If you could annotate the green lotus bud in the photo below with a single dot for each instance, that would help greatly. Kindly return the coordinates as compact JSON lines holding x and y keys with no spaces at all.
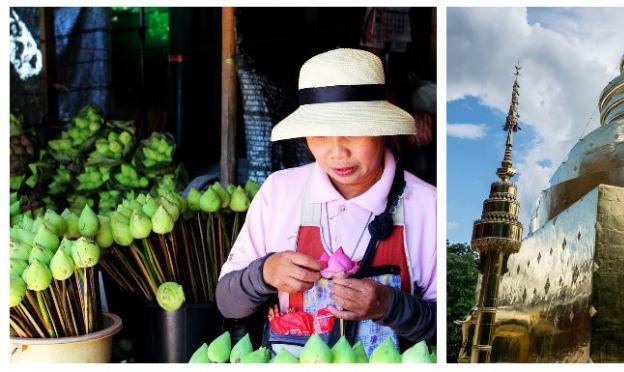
{"x":40,"y":253}
{"x":19,"y":250}
{"x":385,"y":353}
{"x":240,"y":201}
{"x":85,"y":253}
{"x":88,"y":222}
{"x":17,"y":291}
{"x":162,"y":222}
{"x":26,"y":222}
{"x":46,"y":238}
{"x":17,"y":267}
{"x":21,"y":235}
{"x":259,"y":356}
{"x":315,"y":351}
{"x":120,"y":227}
{"x":223,"y":194}
{"x":210,"y":201}
{"x":242,"y":348}
{"x":37,"y":224}
{"x":104,"y":236}
{"x":13,"y":197}
{"x":170,"y":296}
{"x":55,"y":221}
{"x":252,"y":188}
{"x":134,"y":205}
{"x":150,"y":206}
{"x":200,"y":355}
{"x":66,"y":246}
{"x":230,"y":188}
{"x":140,"y":225}
{"x":360,"y":353}
{"x":141,"y":198}
{"x":342,"y":352}
{"x":284,"y":356}
{"x":61,"y":266}
{"x":433,"y":358}
{"x":14,"y":209}
{"x":193,"y":199}
{"x":71,"y":221}
{"x":220,"y":348}
{"x":418,"y":353}
{"x":37,"y":276}
{"x":124,"y":211}
{"x":170,"y":207}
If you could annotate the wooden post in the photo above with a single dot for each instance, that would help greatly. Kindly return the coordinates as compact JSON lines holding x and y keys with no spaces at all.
{"x":48,"y":72}
{"x":228,"y":95}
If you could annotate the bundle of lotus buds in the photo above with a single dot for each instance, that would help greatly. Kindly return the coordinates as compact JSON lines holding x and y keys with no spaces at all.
{"x":315,"y":350}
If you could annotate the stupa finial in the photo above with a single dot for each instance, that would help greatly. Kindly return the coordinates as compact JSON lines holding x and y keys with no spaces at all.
{"x":506,"y":171}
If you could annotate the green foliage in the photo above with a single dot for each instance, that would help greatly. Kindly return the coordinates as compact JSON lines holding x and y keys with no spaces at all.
{"x":462,"y":273}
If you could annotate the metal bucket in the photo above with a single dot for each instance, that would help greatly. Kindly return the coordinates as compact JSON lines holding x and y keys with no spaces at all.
{"x":94,"y":347}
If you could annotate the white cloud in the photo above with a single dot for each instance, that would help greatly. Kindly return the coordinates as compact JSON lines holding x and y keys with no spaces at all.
{"x":568,"y":56}
{"x":452,"y":225}
{"x":466,"y":131}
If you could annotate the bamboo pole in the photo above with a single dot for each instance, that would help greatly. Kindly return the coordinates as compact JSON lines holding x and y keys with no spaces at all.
{"x":228,"y":95}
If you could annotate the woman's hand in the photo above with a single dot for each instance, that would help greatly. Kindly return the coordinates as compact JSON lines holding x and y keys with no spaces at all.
{"x":291,"y":271}
{"x":360,"y":298}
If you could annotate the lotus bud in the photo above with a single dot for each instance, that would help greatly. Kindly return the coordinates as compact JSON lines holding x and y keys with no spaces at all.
{"x":104,"y":236}
{"x":141,"y":199}
{"x":433,"y":358}
{"x":124,"y":211}
{"x":46,"y":238}
{"x":66,"y":246}
{"x":135,"y":205}
{"x":61,"y":266}
{"x":88,"y":222}
{"x":220,"y":348}
{"x":37,"y":224}
{"x":21,"y":235}
{"x":240,"y":201}
{"x":85,"y":253}
{"x":283,"y":356}
{"x":37,"y":276}
{"x":162,"y":222}
{"x":193,"y":199}
{"x":71,"y":221}
{"x":242,"y":348}
{"x":342,"y":352}
{"x":150,"y":206}
{"x":140,"y":225}
{"x":40,"y":253}
{"x":418,"y":353}
{"x":19,"y":250}
{"x":252,"y":188}
{"x":200,"y":355}
{"x":182,"y":203}
{"x":360,"y":353}
{"x":120,"y":227}
{"x":337,"y":263}
{"x":210,"y":201}
{"x":223,"y":194}
{"x":56,"y":222}
{"x":230,"y":188}
{"x":170,"y":207}
{"x":259,"y":356}
{"x":17,"y":291}
{"x":170,"y":296}
{"x":385,"y":353}
{"x":17,"y":267}
{"x":315,"y":351}
{"x":26,"y":222}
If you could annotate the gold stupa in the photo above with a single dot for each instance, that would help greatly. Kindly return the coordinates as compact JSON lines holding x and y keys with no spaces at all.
{"x":561,"y":298}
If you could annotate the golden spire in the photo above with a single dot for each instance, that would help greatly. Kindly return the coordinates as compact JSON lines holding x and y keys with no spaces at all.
{"x":506,"y":171}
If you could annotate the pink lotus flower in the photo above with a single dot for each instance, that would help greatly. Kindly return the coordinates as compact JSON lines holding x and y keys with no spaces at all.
{"x":337,"y":263}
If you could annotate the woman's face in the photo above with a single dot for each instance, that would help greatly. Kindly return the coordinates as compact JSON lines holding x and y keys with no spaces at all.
{"x":354,"y":164}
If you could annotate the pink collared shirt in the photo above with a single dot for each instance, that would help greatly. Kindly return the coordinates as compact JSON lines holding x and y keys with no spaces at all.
{"x":273,"y":219}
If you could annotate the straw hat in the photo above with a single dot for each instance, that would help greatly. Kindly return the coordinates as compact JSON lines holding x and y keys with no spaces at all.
{"x":342,"y":93}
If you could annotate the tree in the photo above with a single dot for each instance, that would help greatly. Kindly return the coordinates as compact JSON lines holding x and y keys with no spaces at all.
{"x":461,"y":281}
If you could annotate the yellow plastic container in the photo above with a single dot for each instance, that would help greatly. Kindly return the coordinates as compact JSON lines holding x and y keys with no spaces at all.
{"x":95,"y":347}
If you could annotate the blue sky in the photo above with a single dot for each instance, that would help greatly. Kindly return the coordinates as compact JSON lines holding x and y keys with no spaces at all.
{"x":568,"y":56}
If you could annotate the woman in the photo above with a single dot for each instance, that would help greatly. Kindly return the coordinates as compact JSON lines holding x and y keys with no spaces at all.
{"x":354,"y":197}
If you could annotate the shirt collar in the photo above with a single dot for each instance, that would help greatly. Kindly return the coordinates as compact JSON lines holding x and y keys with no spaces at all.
{"x":374,"y":199}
